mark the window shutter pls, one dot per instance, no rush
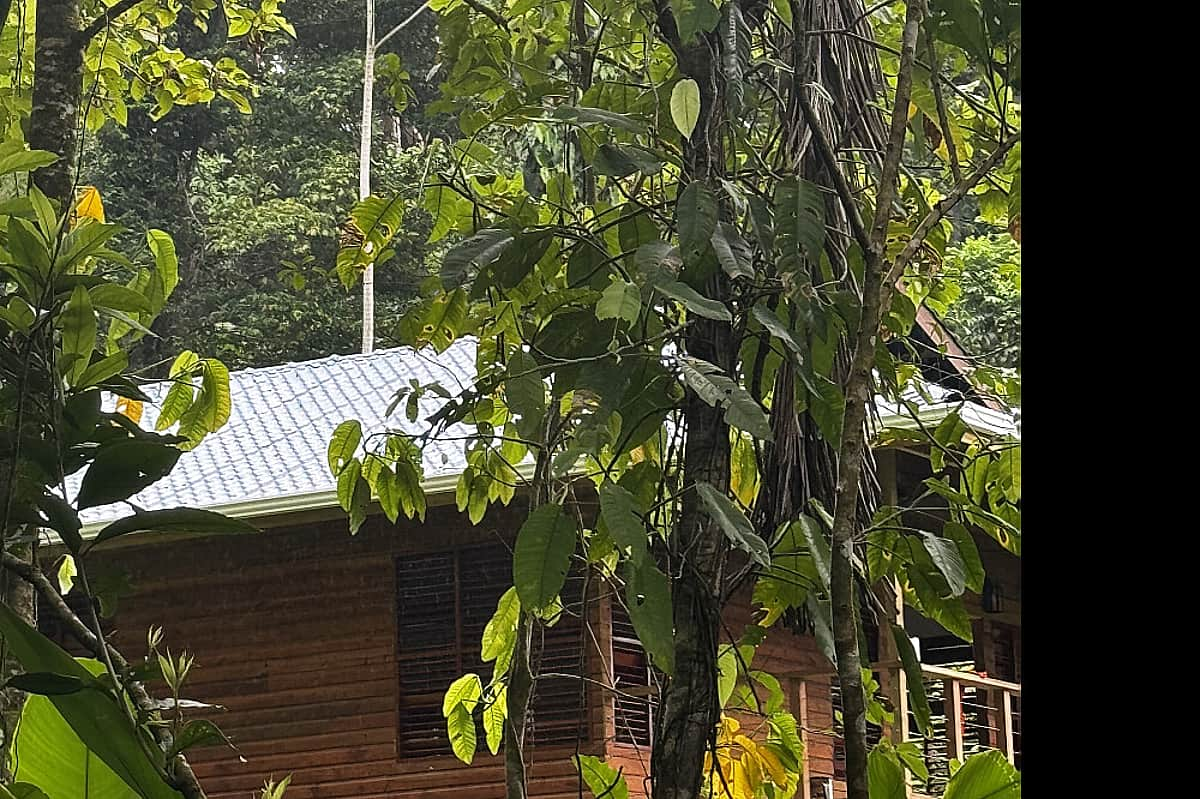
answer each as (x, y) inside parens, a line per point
(631, 670)
(444, 601)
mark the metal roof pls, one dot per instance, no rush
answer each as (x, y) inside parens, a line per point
(271, 455)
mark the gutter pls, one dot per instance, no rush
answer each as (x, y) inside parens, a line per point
(982, 420)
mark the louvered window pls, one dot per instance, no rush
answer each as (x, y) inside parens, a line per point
(444, 600)
(634, 706)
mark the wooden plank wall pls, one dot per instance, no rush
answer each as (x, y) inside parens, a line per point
(293, 632)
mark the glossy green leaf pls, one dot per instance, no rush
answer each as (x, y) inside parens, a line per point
(885, 776)
(732, 252)
(465, 691)
(476, 251)
(696, 218)
(973, 571)
(695, 302)
(621, 300)
(78, 322)
(343, 444)
(987, 775)
(918, 700)
(620, 513)
(949, 562)
(96, 720)
(648, 600)
(799, 223)
(460, 725)
(182, 521)
(601, 779)
(542, 555)
(685, 103)
(494, 715)
(734, 524)
(693, 17)
(122, 469)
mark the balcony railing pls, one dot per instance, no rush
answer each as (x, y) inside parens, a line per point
(970, 713)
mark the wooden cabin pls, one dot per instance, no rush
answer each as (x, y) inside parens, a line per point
(330, 653)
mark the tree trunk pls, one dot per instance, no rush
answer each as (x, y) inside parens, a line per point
(690, 705)
(57, 95)
(18, 595)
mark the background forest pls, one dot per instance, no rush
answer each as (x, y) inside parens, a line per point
(255, 200)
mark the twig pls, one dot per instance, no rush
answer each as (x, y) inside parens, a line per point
(102, 21)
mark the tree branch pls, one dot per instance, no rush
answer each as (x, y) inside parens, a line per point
(102, 21)
(182, 776)
(944, 207)
(851, 449)
(943, 117)
(844, 191)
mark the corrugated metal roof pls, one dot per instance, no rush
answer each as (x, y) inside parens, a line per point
(274, 445)
(275, 441)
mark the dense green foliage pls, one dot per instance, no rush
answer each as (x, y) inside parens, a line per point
(256, 200)
(986, 314)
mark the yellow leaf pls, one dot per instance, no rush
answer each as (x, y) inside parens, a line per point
(89, 205)
(752, 771)
(729, 726)
(130, 408)
(774, 767)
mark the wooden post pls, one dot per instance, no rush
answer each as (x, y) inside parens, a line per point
(1006, 726)
(952, 698)
(798, 695)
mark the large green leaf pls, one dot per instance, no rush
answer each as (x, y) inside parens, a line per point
(648, 598)
(734, 524)
(96, 719)
(494, 715)
(478, 250)
(721, 391)
(695, 302)
(122, 469)
(525, 394)
(945, 555)
(542, 555)
(685, 106)
(499, 634)
(818, 547)
(987, 775)
(732, 251)
(78, 321)
(621, 300)
(460, 725)
(619, 513)
(50, 755)
(696, 217)
(972, 563)
(885, 776)
(601, 778)
(693, 17)
(175, 520)
(343, 444)
(918, 700)
(799, 223)
(166, 262)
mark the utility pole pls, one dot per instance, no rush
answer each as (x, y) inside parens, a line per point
(370, 47)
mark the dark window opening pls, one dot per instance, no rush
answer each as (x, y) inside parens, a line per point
(443, 602)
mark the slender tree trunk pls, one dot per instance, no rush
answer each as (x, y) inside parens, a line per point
(518, 698)
(364, 172)
(690, 708)
(57, 94)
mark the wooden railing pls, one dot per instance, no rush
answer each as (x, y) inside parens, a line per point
(971, 713)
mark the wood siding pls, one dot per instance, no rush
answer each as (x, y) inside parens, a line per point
(294, 632)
